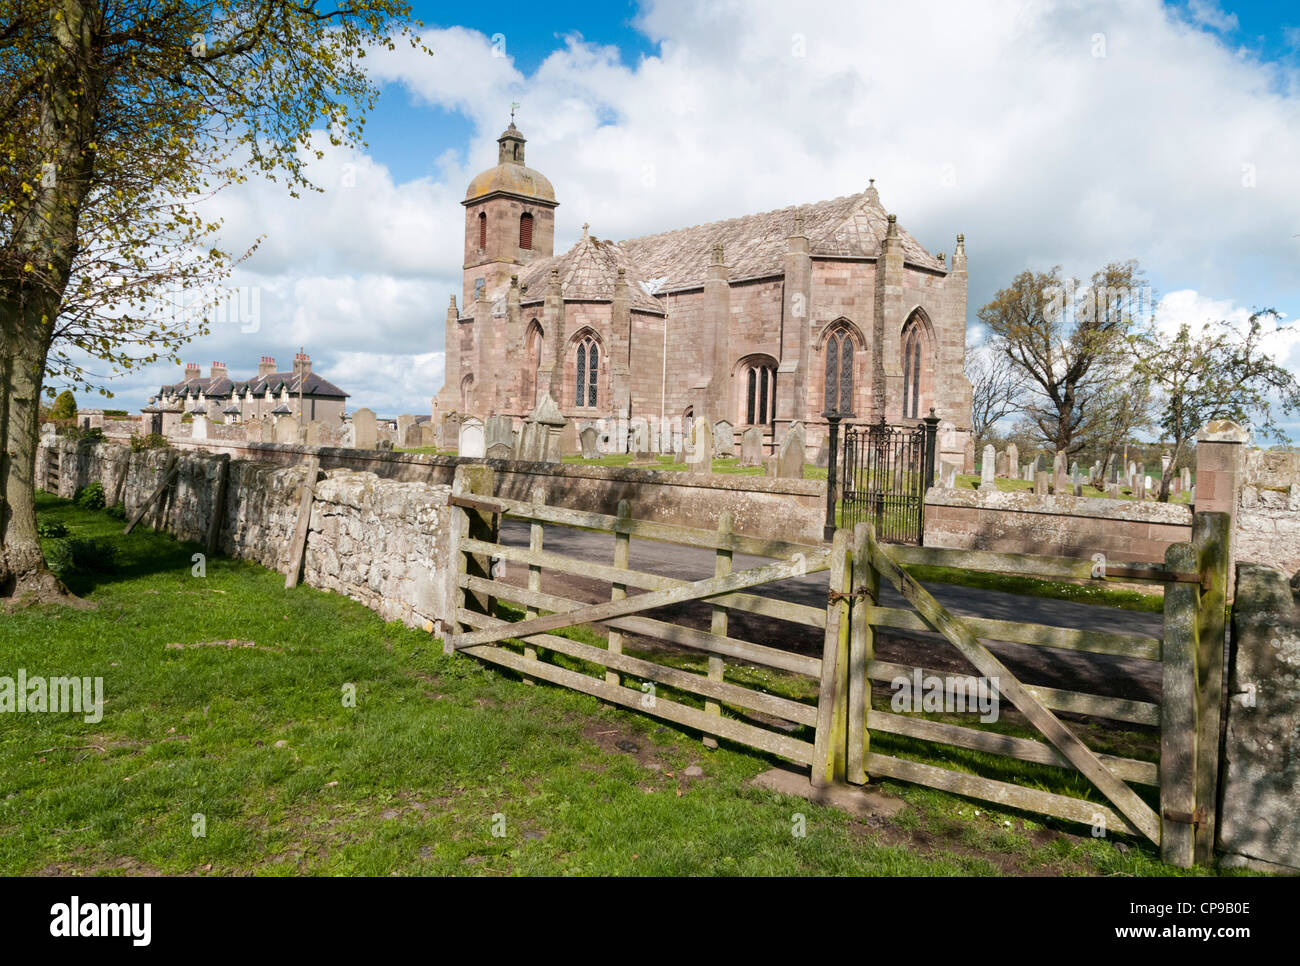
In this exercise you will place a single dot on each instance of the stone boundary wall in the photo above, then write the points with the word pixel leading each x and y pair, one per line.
pixel 1261 747
pixel 381 542
pixel 771 507
pixel 1268 526
pixel 1067 526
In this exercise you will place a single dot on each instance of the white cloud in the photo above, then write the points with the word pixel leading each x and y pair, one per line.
pixel 1048 132
pixel 1209 14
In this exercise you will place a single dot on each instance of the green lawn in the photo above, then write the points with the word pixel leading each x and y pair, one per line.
pixel 412 780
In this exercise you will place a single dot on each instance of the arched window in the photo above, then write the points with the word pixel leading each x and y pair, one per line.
pixel 533 342
pixel 466 389
pixel 839 371
pixel 913 358
pixel 482 230
pixel 588 370
pixel 758 386
pixel 526 231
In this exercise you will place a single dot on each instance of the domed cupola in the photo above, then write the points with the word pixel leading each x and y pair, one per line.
pixel 509 220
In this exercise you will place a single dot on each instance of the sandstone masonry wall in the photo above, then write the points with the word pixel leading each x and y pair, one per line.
pixel 381 542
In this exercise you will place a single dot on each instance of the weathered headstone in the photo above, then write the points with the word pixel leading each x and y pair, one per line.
pixel 1000 464
pixel 312 433
pixel 1059 483
pixel 699 449
pixel 640 444
pixel 1013 459
pixel 968 454
pixel 724 439
pixel 1186 477
pixel 404 424
pixel 1078 488
pixel 1139 487
pixel 1042 483
pixel 543 428
pixel 790 458
pixel 590 439
pixel 363 425
pixel 986 469
pixel 948 475
pixel 499 451
pixel 498 429
pixel 823 458
pixel 286 430
pixel 428 435
pixel 569 443
pixel 751 446
pixel 472 444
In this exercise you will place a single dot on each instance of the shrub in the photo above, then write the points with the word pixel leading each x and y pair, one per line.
pixel 51 530
pixel 84 554
pixel 65 405
pixel 90 497
pixel 117 511
pixel 152 441
pixel 76 432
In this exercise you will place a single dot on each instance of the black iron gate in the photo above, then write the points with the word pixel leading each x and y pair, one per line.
pixel 882 474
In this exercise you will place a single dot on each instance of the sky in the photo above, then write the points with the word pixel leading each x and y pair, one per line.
pixel 1057 132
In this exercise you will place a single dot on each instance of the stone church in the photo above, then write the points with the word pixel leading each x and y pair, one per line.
pixel 761 320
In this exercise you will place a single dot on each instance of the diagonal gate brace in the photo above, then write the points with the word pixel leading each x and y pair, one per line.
pixel 1067 742
pixel 714 586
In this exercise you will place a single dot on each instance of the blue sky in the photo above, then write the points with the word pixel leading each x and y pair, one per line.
pixel 1053 132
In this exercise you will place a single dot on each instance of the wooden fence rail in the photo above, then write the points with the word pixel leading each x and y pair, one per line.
pixel 834 736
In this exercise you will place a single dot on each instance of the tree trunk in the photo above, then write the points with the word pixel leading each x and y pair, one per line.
pixel 24 343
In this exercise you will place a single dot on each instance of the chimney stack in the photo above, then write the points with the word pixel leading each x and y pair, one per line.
pixel 192 371
pixel 218 370
pixel 265 367
pixel 302 364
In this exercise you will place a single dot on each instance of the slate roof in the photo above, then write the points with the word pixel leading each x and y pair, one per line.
pixel 588 270
pixel 753 247
pixel 315 386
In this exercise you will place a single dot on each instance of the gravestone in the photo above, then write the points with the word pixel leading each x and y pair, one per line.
pixel 498 429
pixel 986 470
pixel 790 458
pixel 542 430
pixel 823 457
pixel 1013 459
pixel 428 435
pixel 404 423
pixel 1074 472
pixel 1165 460
pixel 699 451
pixel 1112 490
pixel 1132 474
pixel 968 455
pixel 724 439
pixel 364 434
pixel 590 439
pixel 1028 473
pixel 312 434
pixel 1139 488
pixel 199 429
pixel 751 446
pixel 640 444
pixel 286 430
pixel 499 451
pixel 948 475
pixel 569 444
pixel 1175 485
pixel 412 438
pixel 471 444
pixel 1186 477
pixel 1078 488
pixel 1058 473
pixel 1000 464
pixel 1042 483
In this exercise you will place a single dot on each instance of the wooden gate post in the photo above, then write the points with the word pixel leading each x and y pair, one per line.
pixel 475 524
pixel 866 592
pixel 535 538
pixel 1211 534
pixel 1178 712
pixel 830 745
pixel 718 618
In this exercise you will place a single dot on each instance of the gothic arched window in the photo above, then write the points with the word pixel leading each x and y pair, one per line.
pixel 759 387
pixel 839 371
pixel 533 342
pixel 912 358
pixel 526 231
pixel 588 370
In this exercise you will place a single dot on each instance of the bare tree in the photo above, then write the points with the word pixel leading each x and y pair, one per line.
pixel 997 389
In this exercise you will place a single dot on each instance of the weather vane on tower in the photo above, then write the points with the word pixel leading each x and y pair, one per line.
pixel 514 106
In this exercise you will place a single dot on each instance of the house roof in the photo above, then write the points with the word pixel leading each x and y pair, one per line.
pixel 314 386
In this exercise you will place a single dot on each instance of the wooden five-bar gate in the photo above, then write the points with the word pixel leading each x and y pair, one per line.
pixel 833 733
